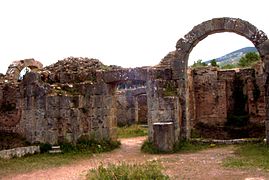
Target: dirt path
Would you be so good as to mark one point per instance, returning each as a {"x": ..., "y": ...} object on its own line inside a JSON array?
[{"x": 201, "y": 165}]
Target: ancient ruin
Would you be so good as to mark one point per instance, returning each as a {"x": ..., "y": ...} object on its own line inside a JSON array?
[{"x": 81, "y": 96}]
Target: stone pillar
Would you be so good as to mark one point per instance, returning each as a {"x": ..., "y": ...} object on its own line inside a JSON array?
[
  {"x": 164, "y": 136},
  {"x": 136, "y": 109},
  {"x": 264, "y": 52}
]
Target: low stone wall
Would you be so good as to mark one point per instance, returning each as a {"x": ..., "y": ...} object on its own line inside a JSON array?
[
  {"x": 19, "y": 152},
  {"x": 229, "y": 141}
]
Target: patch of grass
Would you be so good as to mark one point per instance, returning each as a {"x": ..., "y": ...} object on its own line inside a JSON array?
[
  {"x": 149, "y": 170},
  {"x": 250, "y": 156},
  {"x": 38, "y": 161},
  {"x": 148, "y": 147},
  {"x": 183, "y": 146},
  {"x": 189, "y": 147},
  {"x": 131, "y": 131},
  {"x": 84, "y": 149}
]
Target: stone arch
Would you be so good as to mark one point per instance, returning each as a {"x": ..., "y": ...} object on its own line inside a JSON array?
[
  {"x": 185, "y": 45},
  {"x": 179, "y": 62},
  {"x": 16, "y": 67}
]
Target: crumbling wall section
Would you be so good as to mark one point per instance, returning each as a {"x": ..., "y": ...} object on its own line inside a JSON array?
[{"x": 212, "y": 95}]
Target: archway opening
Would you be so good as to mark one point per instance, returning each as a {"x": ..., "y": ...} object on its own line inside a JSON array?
[
  {"x": 225, "y": 103},
  {"x": 23, "y": 72},
  {"x": 131, "y": 108}
]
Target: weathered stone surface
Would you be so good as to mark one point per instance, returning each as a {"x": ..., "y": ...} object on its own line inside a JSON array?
[
  {"x": 19, "y": 152},
  {"x": 16, "y": 67},
  {"x": 164, "y": 136},
  {"x": 77, "y": 96},
  {"x": 211, "y": 95}
]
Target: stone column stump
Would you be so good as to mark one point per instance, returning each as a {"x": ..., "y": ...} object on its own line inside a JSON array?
[{"x": 163, "y": 136}]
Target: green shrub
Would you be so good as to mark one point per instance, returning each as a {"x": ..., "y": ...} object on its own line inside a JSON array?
[
  {"x": 45, "y": 147},
  {"x": 148, "y": 147},
  {"x": 86, "y": 143},
  {"x": 68, "y": 147},
  {"x": 149, "y": 170},
  {"x": 170, "y": 89}
]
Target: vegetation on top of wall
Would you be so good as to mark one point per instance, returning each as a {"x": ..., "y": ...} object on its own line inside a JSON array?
[
  {"x": 170, "y": 89},
  {"x": 198, "y": 64},
  {"x": 70, "y": 90},
  {"x": 229, "y": 66}
]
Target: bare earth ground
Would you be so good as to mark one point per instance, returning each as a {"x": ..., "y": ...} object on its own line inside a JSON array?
[{"x": 200, "y": 165}]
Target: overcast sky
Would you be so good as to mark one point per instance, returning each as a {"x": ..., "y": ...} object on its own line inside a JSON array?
[{"x": 122, "y": 32}]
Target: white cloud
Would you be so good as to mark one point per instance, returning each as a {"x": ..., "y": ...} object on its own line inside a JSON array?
[{"x": 127, "y": 33}]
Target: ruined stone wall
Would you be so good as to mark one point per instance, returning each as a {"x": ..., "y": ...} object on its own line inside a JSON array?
[
  {"x": 10, "y": 111},
  {"x": 59, "y": 104},
  {"x": 52, "y": 114},
  {"x": 212, "y": 95}
]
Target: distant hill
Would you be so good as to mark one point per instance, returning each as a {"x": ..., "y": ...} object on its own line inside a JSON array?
[{"x": 233, "y": 57}]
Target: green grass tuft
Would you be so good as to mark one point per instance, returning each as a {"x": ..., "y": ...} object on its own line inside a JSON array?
[
  {"x": 250, "y": 156},
  {"x": 149, "y": 170},
  {"x": 132, "y": 131},
  {"x": 183, "y": 146},
  {"x": 148, "y": 147},
  {"x": 38, "y": 161}
]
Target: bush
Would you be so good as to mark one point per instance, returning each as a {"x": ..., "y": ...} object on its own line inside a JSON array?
[
  {"x": 149, "y": 170},
  {"x": 249, "y": 59},
  {"x": 148, "y": 147},
  {"x": 86, "y": 143},
  {"x": 45, "y": 147}
]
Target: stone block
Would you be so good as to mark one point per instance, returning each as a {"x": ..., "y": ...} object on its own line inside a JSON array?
[
  {"x": 264, "y": 48},
  {"x": 163, "y": 136},
  {"x": 218, "y": 24}
]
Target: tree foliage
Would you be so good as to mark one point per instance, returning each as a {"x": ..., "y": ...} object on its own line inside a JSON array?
[
  {"x": 214, "y": 63},
  {"x": 246, "y": 61},
  {"x": 249, "y": 59}
]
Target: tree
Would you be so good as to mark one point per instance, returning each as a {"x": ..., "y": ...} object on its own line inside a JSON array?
[
  {"x": 199, "y": 63},
  {"x": 249, "y": 59},
  {"x": 214, "y": 63}
]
